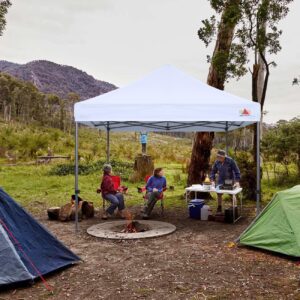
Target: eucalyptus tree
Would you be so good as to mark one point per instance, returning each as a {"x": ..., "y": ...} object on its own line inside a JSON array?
[
  {"x": 4, "y": 5},
  {"x": 253, "y": 37},
  {"x": 220, "y": 63}
]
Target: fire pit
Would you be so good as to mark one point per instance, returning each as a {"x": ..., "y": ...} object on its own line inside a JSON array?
[{"x": 131, "y": 230}]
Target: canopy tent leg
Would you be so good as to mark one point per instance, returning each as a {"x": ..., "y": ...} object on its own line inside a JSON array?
[
  {"x": 76, "y": 177},
  {"x": 226, "y": 138},
  {"x": 107, "y": 143},
  {"x": 258, "y": 183}
]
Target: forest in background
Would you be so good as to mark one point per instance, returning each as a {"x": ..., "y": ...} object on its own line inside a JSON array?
[{"x": 21, "y": 101}]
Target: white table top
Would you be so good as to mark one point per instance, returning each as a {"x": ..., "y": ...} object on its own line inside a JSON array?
[{"x": 199, "y": 188}]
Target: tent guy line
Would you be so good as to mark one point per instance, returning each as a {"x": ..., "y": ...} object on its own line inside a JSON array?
[
  {"x": 18, "y": 244},
  {"x": 28, "y": 250}
]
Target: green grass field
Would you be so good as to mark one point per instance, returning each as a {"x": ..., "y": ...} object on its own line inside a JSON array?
[{"x": 34, "y": 187}]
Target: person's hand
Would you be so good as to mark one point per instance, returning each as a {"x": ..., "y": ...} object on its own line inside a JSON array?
[
  {"x": 155, "y": 190},
  {"x": 98, "y": 191}
]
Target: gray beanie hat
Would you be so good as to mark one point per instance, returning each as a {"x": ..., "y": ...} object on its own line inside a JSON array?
[
  {"x": 221, "y": 153},
  {"x": 107, "y": 168}
]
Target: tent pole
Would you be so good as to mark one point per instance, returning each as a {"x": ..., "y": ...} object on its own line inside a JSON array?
[
  {"x": 226, "y": 138},
  {"x": 76, "y": 177},
  {"x": 107, "y": 143},
  {"x": 258, "y": 186}
]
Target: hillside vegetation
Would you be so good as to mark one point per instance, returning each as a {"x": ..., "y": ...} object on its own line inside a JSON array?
[
  {"x": 25, "y": 143},
  {"x": 21, "y": 101},
  {"x": 52, "y": 184},
  {"x": 40, "y": 186},
  {"x": 52, "y": 78}
]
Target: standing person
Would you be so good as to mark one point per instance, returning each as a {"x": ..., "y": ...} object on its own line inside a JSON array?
[
  {"x": 109, "y": 193},
  {"x": 155, "y": 186},
  {"x": 226, "y": 168},
  {"x": 143, "y": 140}
]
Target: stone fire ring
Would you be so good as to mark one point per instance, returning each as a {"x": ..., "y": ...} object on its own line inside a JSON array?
[{"x": 108, "y": 230}]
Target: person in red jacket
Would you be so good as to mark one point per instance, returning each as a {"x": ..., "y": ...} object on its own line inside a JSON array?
[{"x": 109, "y": 193}]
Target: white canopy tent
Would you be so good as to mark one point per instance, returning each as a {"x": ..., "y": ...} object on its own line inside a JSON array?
[{"x": 166, "y": 100}]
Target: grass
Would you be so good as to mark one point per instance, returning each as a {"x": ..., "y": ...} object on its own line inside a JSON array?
[
  {"x": 33, "y": 186},
  {"x": 35, "y": 189},
  {"x": 25, "y": 143}
]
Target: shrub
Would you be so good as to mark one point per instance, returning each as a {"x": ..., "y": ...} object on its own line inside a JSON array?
[
  {"x": 248, "y": 171},
  {"x": 122, "y": 169}
]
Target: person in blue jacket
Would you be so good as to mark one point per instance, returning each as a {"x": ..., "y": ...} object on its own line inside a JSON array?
[
  {"x": 155, "y": 186},
  {"x": 226, "y": 168},
  {"x": 144, "y": 140}
]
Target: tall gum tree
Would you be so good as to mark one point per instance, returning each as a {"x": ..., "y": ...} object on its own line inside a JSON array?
[
  {"x": 203, "y": 141},
  {"x": 258, "y": 32},
  {"x": 248, "y": 28}
]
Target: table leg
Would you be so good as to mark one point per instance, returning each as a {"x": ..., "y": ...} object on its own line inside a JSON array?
[
  {"x": 233, "y": 208},
  {"x": 241, "y": 207},
  {"x": 241, "y": 199}
]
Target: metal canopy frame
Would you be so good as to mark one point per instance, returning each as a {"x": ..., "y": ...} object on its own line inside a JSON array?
[
  {"x": 169, "y": 126},
  {"x": 220, "y": 126}
]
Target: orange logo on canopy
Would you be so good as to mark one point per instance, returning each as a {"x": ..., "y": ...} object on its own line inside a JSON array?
[{"x": 245, "y": 112}]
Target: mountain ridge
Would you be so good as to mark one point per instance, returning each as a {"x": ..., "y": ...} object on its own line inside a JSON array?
[{"x": 50, "y": 77}]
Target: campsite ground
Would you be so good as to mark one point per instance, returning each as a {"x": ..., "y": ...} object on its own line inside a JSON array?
[{"x": 195, "y": 262}]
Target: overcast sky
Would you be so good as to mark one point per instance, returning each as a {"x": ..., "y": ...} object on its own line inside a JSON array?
[{"x": 121, "y": 40}]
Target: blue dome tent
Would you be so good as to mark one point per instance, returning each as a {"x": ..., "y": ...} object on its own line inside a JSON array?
[{"x": 27, "y": 249}]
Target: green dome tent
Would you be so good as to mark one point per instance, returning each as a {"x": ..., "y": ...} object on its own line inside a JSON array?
[{"x": 277, "y": 228}]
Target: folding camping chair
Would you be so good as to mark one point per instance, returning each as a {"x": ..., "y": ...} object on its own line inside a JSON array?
[{"x": 161, "y": 197}]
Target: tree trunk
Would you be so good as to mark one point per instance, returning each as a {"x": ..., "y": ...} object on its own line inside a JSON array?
[
  {"x": 259, "y": 85},
  {"x": 143, "y": 166},
  {"x": 199, "y": 165},
  {"x": 255, "y": 97},
  {"x": 203, "y": 141}
]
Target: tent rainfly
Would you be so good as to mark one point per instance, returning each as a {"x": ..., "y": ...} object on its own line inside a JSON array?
[
  {"x": 277, "y": 228},
  {"x": 27, "y": 249},
  {"x": 166, "y": 100}
]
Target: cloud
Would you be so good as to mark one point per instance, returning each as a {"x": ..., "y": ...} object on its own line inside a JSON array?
[{"x": 121, "y": 40}]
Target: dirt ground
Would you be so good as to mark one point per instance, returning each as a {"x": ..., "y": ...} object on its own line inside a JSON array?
[{"x": 195, "y": 262}]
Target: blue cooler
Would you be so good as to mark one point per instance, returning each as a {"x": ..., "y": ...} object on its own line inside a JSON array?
[{"x": 195, "y": 208}]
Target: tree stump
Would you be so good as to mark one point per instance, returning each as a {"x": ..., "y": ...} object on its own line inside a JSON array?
[
  {"x": 53, "y": 213},
  {"x": 143, "y": 166}
]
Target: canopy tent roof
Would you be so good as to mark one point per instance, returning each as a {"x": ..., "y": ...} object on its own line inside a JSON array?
[{"x": 167, "y": 100}]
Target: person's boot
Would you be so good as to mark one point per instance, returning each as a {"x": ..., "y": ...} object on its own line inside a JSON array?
[
  {"x": 106, "y": 216},
  {"x": 120, "y": 214},
  {"x": 145, "y": 216}
]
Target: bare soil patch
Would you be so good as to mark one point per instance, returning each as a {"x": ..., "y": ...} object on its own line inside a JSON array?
[{"x": 195, "y": 262}]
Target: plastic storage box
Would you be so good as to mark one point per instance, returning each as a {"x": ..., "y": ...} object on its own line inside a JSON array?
[{"x": 195, "y": 208}]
